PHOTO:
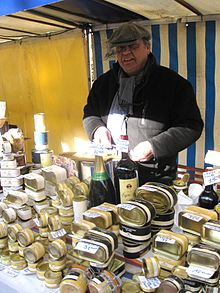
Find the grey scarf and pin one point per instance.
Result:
(122, 104)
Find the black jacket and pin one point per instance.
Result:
(165, 113)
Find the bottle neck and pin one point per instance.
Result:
(209, 187)
(99, 166)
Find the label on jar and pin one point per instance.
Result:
(87, 247)
(127, 206)
(149, 283)
(192, 217)
(127, 189)
(164, 239)
(58, 233)
(200, 272)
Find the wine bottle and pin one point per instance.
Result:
(208, 198)
(125, 176)
(101, 188)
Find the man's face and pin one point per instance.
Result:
(132, 58)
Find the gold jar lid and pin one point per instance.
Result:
(81, 188)
(151, 267)
(66, 211)
(33, 266)
(57, 265)
(66, 220)
(54, 223)
(13, 246)
(41, 268)
(34, 252)
(25, 237)
(13, 231)
(18, 262)
(57, 249)
(52, 279)
(3, 229)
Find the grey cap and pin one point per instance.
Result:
(127, 34)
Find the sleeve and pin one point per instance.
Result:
(92, 117)
(186, 124)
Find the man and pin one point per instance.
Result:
(159, 106)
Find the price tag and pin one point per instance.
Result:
(164, 239)
(87, 247)
(29, 176)
(58, 233)
(192, 217)
(122, 145)
(149, 283)
(211, 177)
(97, 149)
(2, 267)
(91, 215)
(203, 273)
(127, 206)
(12, 273)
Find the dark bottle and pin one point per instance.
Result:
(125, 177)
(101, 188)
(208, 198)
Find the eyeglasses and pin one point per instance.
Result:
(132, 48)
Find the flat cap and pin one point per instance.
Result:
(127, 34)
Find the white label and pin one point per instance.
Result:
(91, 214)
(122, 145)
(29, 176)
(164, 239)
(149, 283)
(200, 272)
(2, 267)
(97, 149)
(12, 273)
(87, 247)
(127, 189)
(58, 233)
(127, 206)
(192, 217)
(211, 177)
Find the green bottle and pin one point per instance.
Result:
(101, 188)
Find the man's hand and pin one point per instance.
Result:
(103, 135)
(142, 152)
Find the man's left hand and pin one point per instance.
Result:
(142, 152)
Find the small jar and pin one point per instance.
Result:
(9, 215)
(52, 279)
(18, 262)
(34, 252)
(41, 268)
(74, 281)
(25, 237)
(13, 231)
(57, 265)
(106, 282)
(171, 284)
(57, 249)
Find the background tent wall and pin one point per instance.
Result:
(193, 50)
(46, 75)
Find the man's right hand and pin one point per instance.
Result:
(103, 135)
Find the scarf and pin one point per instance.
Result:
(122, 104)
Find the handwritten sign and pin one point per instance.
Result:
(211, 177)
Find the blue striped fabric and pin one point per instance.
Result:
(192, 52)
